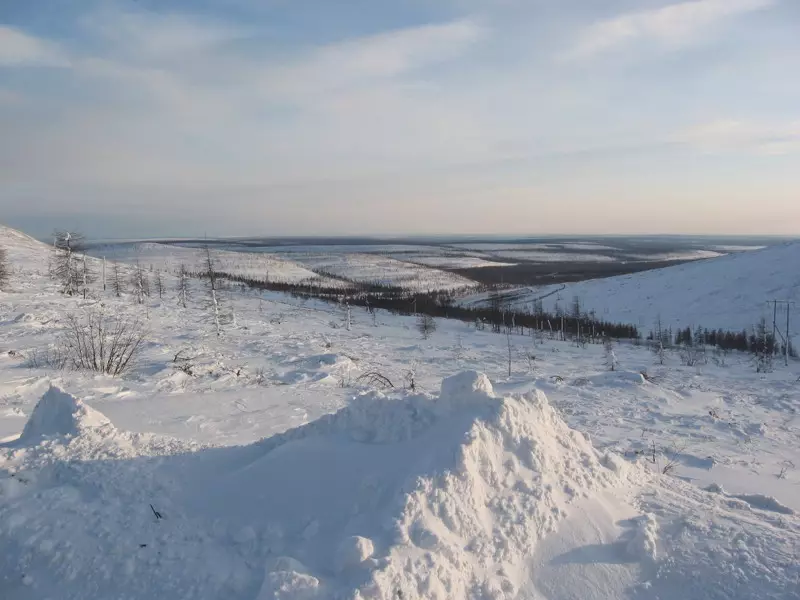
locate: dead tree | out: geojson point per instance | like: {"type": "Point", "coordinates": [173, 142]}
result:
{"type": "Point", "coordinates": [426, 325]}
{"type": "Point", "coordinates": [183, 286]}
{"type": "Point", "coordinates": [214, 303]}
{"type": "Point", "coordinates": [5, 269]}
{"type": "Point", "coordinates": [158, 280]}
{"type": "Point", "coordinates": [66, 265]}
{"type": "Point", "coordinates": [141, 283]}
{"type": "Point", "coordinates": [117, 281]}
{"type": "Point", "coordinates": [610, 355]}
{"type": "Point", "coordinates": [508, 342]}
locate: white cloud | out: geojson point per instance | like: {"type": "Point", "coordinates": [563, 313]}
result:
{"type": "Point", "coordinates": [374, 57]}
{"type": "Point", "coordinates": [671, 25]}
{"type": "Point", "coordinates": [147, 35]}
{"type": "Point", "coordinates": [18, 49]}
{"type": "Point", "coordinates": [731, 136]}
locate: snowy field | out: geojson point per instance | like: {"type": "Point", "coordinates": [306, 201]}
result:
{"type": "Point", "coordinates": [169, 258]}
{"type": "Point", "coordinates": [729, 292]}
{"type": "Point", "coordinates": [270, 463]}
{"type": "Point", "coordinates": [384, 270]}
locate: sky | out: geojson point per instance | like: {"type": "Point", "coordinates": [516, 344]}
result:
{"type": "Point", "coordinates": [146, 118]}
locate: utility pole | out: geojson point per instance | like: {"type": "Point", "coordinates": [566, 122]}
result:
{"type": "Point", "coordinates": [774, 318]}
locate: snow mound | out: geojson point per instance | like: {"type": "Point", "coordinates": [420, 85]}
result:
{"type": "Point", "coordinates": [61, 414]}
{"type": "Point", "coordinates": [424, 496]}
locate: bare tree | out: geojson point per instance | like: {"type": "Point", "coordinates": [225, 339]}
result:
{"type": "Point", "coordinates": [117, 281]}
{"type": "Point", "coordinates": [610, 355]}
{"type": "Point", "coordinates": [5, 269]}
{"type": "Point", "coordinates": [426, 325]}
{"type": "Point", "coordinates": [214, 303]}
{"type": "Point", "coordinates": [67, 268]}
{"type": "Point", "coordinates": [510, 348]}
{"type": "Point", "coordinates": [141, 283]}
{"type": "Point", "coordinates": [158, 280]}
{"type": "Point", "coordinates": [183, 285]}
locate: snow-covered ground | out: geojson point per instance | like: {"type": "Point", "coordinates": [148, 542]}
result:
{"type": "Point", "coordinates": [552, 257]}
{"type": "Point", "coordinates": [271, 469]}
{"type": "Point", "coordinates": [729, 292]}
{"type": "Point", "coordinates": [169, 258]}
{"type": "Point", "coordinates": [384, 270]}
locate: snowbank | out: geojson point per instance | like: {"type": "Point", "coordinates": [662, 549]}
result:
{"type": "Point", "coordinates": [60, 414]}
{"type": "Point", "coordinates": [429, 496]}
{"type": "Point", "coordinates": [445, 495]}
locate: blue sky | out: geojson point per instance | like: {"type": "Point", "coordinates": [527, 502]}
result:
{"type": "Point", "coordinates": [245, 117]}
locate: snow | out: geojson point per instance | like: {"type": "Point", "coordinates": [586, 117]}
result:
{"type": "Point", "coordinates": [374, 268]}
{"type": "Point", "coordinates": [730, 292]}
{"type": "Point", "coordinates": [263, 467]}
{"type": "Point", "coordinates": [548, 257]}
{"type": "Point", "coordinates": [452, 261]}
{"type": "Point", "coordinates": [676, 256]}
{"type": "Point", "coordinates": [60, 414]}
{"type": "Point", "coordinates": [168, 257]}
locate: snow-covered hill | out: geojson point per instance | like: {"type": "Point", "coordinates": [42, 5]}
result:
{"type": "Point", "coordinates": [729, 292]}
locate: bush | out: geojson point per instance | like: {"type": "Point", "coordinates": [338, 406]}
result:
{"type": "Point", "coordinates": [101, 344]}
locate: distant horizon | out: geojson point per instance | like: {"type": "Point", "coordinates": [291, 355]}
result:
{"type": "Point", "coordinates": [410, 237]}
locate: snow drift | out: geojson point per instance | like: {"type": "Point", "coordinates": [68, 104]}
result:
{"type": "Point", "coordinates": [424, 496]}
{"type": "Point", "coordinates": [395, 496]}
{"type": "Point", "coordinates": [445, 496]}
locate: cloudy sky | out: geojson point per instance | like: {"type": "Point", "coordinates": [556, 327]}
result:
{"type": "Point", "coordinates": [295, 117]}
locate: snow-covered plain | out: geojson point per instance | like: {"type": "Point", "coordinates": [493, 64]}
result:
{"type": "Point", "coordinates": [273, 472]}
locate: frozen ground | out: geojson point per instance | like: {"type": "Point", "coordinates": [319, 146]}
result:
{"type": "Point", "coordinates": [277, 473]}
{"type": "Point", "coordinates": [730, 292]}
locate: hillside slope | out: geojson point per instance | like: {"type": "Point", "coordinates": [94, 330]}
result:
{"type": "Point", "coordinates": [729, 292]}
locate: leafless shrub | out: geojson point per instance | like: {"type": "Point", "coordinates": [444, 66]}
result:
{"type": "Point", "coordinates": [411, 377]}
{"type": "Point", "coordinates": [690, 356]}
{"type": "Point", "coordinates": [720, 356]}
{"type": "Point", "coordinates": [785, 467]}
{"type": "Point", "coordinates": [101, 344]}
{"type": "Point", "coordinates": [54, 358]}
{"type": "Point", "coordinates": [183, 362]}
{"type": "Point", "coordinates": [375, 379]}
{"type": "Point", "coordinates": [259, 376]}
{"type": "Point", "coordinates": [664, 461]}
{"type": "Point", "coordinates": [531, 358]}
